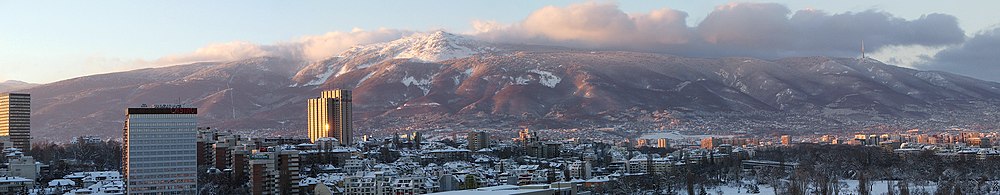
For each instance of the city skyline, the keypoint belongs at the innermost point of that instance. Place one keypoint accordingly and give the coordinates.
(34, 54)
(448, 97)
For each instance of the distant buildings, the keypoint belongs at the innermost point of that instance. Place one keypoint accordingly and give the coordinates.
(641, 143)
(829, 139)
(713, 142)
(19, 165)
(275, 172)
(662, 143)
(160, 153)
(580, 170)
(101, 182)
(786, 140)
(15, 185)
(15, 119)
(526, 136)
(416, 138)
(330, 116)
(478, 140)
(709, 142)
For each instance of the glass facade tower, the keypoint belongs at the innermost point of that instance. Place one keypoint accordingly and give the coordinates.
(330, 116)
(160, 152)
(15, 119)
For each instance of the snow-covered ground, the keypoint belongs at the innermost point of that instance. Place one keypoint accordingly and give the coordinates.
(847, 187)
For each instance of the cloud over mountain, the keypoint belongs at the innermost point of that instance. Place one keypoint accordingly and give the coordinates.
(592, 25)
(307, 48)
(765, 30)
(332, 43)
(221, 52)
(978, 57)
(736, 29)
(761, 30)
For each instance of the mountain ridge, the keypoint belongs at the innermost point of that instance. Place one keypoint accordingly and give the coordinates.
(401, 83)
(14, 85)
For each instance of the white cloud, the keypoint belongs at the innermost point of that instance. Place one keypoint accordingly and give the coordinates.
(307, 48)
(590, 25)
(978, 57)
(327, 45)
(765, 30)
(218, 52)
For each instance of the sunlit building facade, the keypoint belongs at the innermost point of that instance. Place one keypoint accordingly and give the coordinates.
(330, 116)
(15, 119)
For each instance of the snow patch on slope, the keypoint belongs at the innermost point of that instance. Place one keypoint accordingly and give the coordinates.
(363, 79)
(321, 78)
(366, 65)
(521, 80)
(934, 78)
(466, 74)
(547, 78)
(681, 85)
(424, 84)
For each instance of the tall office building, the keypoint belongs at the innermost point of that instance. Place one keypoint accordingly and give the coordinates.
(416, 138)
(15, 119)
(274, 172)
(478, 140)
(662, 143)
(710, 142)
(160, 152)
(641, 143)
(786, 140)
(330, 116)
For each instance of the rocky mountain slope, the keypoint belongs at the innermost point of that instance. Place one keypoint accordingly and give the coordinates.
(439, 74)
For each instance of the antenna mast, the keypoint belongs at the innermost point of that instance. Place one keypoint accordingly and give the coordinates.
(862, 49)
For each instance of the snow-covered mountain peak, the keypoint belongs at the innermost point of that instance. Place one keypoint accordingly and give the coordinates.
(428, 47)
(433, 46)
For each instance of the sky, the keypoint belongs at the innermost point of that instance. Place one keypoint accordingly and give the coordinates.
(46, 41)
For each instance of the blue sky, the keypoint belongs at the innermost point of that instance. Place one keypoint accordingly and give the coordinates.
(46, 41)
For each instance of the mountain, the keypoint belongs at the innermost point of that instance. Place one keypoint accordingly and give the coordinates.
(12, 85)
(443, 80)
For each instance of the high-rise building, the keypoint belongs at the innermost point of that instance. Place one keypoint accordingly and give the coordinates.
(416, 138)
(551, 149)
(710, 142)
(478, 140)
(330, 116)
(15, 119)
(274, 172)
(827, 138)
(160, 152)
(786, 140)
(662, 143)
(641, 142)
(527, 136)
(580, 170)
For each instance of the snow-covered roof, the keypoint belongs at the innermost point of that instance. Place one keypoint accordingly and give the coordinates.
(62, 182)
(13, 179)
